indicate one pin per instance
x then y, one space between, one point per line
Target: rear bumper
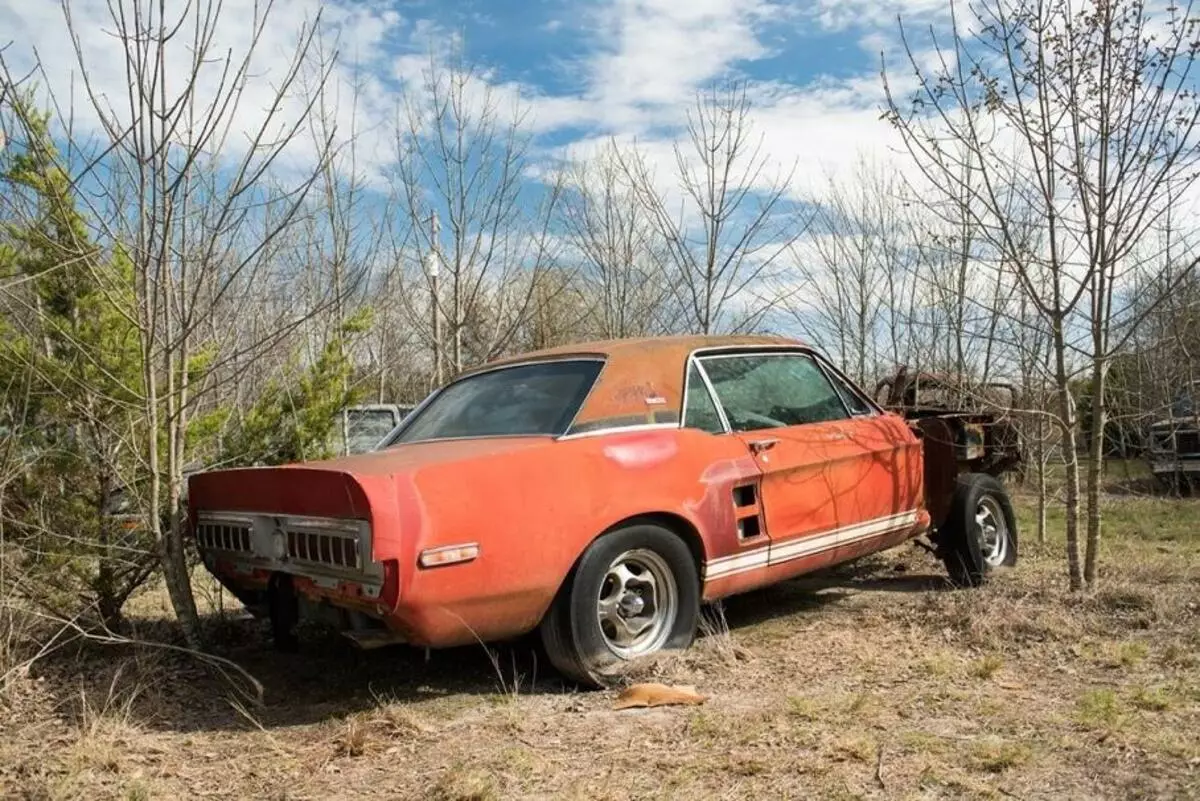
483 615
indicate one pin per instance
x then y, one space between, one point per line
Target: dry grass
464 783
867 682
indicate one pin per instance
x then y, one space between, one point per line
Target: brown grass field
872 681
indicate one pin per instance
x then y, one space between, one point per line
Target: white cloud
484 92
823 130
654 55
641 63
659 51
840 15
40 34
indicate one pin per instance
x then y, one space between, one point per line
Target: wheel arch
677 524
674 522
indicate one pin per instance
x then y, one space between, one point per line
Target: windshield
526 400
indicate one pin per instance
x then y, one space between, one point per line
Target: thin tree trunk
1095 473
1066 409
1040 455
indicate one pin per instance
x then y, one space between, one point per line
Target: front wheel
635 592
980 533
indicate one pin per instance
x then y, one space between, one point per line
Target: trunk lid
378 487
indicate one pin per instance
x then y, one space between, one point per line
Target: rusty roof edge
607 347
531 357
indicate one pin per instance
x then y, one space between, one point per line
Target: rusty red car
599 493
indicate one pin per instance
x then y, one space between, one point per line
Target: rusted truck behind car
600 493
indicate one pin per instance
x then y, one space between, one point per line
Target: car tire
980 533
634 592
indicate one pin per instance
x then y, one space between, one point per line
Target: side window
773 390
853 400
699 410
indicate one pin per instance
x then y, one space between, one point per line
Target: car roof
642 382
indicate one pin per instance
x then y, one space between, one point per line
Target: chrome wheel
993 531
637 604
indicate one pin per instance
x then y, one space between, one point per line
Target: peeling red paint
641 450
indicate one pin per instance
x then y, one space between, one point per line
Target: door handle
761 445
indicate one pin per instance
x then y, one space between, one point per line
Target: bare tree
734 220
858 272
887 277
461 166
1167 343
1083 114
187 189
619 250
558 311
344 240
1029 340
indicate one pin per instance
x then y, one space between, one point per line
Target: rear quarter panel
535 511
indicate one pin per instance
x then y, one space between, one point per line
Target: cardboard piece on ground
650 694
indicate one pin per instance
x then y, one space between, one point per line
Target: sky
584 70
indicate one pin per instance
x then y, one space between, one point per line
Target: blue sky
629 68
584 69
548 43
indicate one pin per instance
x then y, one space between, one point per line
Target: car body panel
830 492
570 492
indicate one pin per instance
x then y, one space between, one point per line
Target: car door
893 469
832 476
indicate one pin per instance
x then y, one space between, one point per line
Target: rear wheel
980 533
635 592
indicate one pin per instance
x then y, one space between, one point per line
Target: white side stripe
791 550
778 553
759 557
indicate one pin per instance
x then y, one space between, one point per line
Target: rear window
539 399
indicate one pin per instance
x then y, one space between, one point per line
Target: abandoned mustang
601 493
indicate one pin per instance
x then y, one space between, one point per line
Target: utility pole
434 267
